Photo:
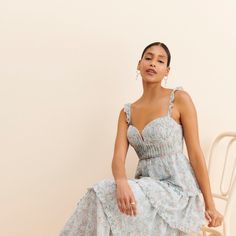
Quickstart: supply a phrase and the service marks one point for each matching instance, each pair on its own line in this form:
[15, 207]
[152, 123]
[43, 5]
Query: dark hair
[163, 46]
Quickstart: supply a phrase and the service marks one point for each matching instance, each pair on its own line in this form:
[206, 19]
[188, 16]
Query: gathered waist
[160, 155]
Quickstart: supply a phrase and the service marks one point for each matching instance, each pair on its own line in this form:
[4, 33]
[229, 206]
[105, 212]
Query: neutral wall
[67, 68]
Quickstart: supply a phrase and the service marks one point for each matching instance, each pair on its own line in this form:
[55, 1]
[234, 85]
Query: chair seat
[206, 231]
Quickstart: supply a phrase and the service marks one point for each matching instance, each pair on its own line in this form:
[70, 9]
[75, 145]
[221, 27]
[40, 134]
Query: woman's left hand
[214, 217]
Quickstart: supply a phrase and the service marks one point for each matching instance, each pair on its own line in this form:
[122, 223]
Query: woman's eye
[148, 58]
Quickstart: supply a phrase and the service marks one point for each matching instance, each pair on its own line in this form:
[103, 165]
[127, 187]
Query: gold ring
[132, 203]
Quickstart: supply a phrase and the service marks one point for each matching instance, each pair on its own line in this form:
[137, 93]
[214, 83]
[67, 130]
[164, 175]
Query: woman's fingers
[217, 221]
[124, 199]
[208, 216]
[126, 207]
[213, 222]
[215, 216]
[134, 207]
[121, 206]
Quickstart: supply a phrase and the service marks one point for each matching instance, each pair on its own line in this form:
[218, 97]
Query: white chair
[227, 194]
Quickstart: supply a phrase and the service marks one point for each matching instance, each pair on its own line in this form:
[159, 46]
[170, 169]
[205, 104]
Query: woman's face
[153, 65]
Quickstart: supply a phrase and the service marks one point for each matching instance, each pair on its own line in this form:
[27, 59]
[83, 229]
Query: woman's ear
[167, 71]
[138, 65]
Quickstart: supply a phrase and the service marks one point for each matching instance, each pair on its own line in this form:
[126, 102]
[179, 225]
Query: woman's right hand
[125, 196]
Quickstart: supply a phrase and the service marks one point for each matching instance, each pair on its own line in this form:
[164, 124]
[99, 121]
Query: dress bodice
[161, 136]
[159, 147]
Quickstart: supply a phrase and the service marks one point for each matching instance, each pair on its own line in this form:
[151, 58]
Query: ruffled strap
[127, 112]
[172, 97]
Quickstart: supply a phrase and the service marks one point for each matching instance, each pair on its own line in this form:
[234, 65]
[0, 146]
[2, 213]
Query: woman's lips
[151, 72]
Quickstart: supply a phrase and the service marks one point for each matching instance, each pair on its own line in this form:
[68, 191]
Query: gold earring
[137, 74]
[166, 80]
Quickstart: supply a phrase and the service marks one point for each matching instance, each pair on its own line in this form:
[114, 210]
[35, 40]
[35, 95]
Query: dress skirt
[96, 216]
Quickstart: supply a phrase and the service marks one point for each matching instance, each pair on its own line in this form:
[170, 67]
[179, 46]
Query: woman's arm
[120, 149]
[124, 193]
[188, 116]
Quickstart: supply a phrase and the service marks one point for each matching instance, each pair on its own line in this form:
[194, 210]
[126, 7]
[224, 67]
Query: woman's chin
[151, 80]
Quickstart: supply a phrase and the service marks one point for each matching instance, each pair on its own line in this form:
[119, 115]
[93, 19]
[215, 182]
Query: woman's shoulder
[181, 92]
[182, 97]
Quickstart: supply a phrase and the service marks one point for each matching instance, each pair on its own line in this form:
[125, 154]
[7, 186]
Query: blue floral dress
[169, 200]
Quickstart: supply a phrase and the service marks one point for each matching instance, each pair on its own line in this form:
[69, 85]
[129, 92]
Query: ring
[132, 203]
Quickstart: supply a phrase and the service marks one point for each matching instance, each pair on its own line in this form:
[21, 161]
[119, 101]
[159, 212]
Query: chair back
[226, 181]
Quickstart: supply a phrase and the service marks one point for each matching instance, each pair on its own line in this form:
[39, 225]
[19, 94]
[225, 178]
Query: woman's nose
[152, 63]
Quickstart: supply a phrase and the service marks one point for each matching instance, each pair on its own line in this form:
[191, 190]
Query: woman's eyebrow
[160, 55]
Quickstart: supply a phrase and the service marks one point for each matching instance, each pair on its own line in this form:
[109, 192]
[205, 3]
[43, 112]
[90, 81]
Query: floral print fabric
[169, 201]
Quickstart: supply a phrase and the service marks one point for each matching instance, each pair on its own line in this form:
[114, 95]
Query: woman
[165, 196]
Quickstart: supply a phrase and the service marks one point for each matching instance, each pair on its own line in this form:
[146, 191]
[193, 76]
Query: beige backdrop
[68, 67]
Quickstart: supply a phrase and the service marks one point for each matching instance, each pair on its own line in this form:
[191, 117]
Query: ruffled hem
[178, 211]
[120, 223]
[183, 205]
[115, 224]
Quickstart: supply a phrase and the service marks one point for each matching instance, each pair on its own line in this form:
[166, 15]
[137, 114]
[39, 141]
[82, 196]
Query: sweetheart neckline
[140, 132]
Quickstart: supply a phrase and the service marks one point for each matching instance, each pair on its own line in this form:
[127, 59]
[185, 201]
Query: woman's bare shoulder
[182, 96]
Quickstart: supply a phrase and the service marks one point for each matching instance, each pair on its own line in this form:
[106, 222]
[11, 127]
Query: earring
[166, 80]
[137, 74]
